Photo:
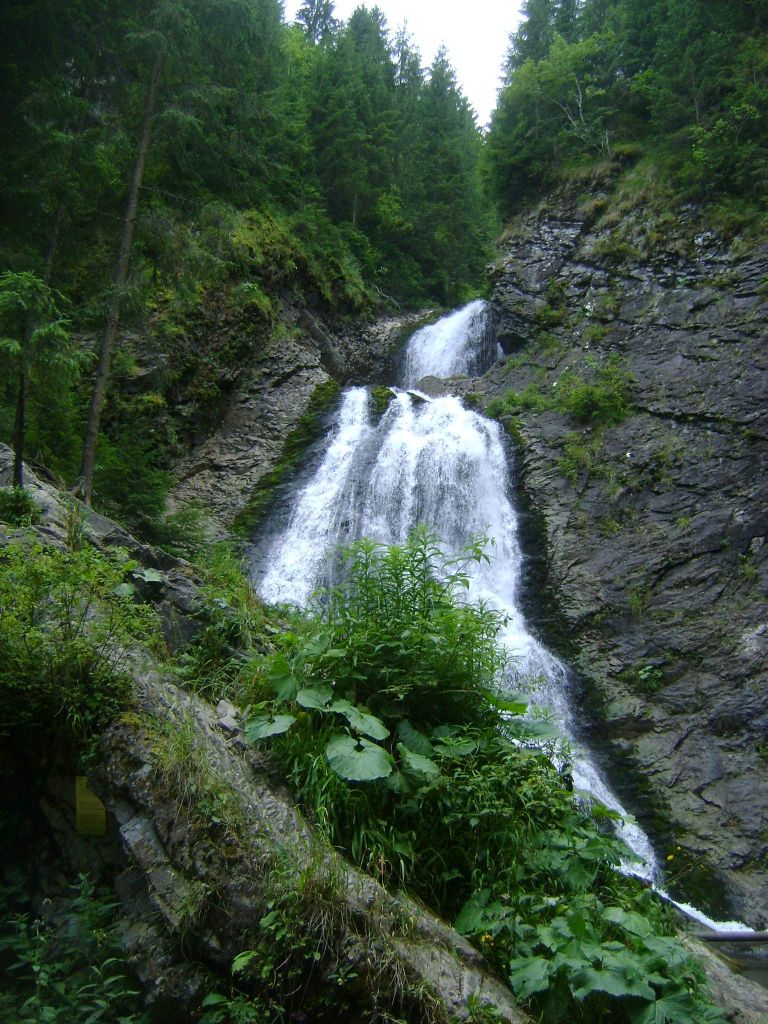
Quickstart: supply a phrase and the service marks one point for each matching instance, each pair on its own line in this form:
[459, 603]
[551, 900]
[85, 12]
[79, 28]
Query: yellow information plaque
[90, 812]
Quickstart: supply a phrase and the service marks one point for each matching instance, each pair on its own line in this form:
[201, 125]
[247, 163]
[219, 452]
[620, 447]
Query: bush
[603, 401]
[18, 507]
[69, 968]
[218, 663]
[67, 618]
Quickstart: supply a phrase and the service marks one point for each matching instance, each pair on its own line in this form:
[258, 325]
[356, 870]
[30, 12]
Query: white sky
[476, 33]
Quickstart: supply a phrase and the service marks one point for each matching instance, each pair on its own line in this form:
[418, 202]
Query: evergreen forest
[182, 182]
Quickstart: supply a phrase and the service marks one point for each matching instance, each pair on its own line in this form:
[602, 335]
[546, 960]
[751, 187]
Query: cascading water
[463, 342]
[441, 464]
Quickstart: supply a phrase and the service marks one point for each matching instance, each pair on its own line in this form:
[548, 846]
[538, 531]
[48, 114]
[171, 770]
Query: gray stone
[657, 553]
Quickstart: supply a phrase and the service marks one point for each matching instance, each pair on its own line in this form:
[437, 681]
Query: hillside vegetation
[177, 177]
[682, 81]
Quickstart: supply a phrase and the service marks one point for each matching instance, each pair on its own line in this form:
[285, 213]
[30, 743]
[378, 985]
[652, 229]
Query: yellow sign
[90, 812]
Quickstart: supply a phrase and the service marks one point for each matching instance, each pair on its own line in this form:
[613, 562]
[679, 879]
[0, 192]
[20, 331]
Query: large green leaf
[240, 963]
[613, 981]
[455, 747]
[149, 575]
[413, 739]
[514, 703]
[361, 719]
[282, 679]
[416, 764]
[478, 914]
[675, 1006]
[267, 725]
[631, 922]
[315, 696]
[358, 760]
[535, 729]
[529, 975]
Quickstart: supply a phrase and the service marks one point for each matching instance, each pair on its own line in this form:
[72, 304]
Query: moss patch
[380, 399]
[303, 434]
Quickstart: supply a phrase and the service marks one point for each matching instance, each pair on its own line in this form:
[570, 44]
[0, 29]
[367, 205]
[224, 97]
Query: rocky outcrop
[655, 526]
[222, 471]
[215, 880]
[204, 841]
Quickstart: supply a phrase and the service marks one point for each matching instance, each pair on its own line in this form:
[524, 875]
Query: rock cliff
[272, 395]
[655, 523]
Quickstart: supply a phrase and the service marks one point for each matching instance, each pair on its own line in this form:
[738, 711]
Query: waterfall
[438, 463]
[461, 343]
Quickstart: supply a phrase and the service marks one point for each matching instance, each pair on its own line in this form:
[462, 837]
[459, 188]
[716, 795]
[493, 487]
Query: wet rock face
[656, 526]
[222, 471]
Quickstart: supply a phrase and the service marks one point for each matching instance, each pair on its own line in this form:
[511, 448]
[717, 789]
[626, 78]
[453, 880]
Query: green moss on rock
[296, 443]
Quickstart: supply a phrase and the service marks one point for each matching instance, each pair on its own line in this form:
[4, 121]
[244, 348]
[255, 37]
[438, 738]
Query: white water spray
[443, 465]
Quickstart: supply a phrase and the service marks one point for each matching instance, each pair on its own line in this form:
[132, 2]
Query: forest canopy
[369, 160]
[683, 80]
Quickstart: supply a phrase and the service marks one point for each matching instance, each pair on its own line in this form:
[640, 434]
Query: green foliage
[382, 710]
[36, 350]
[218, 662]
[380, 399]
[182, 533]
[297, 966]
[67, 619]
[512, 402]
[128, 483]
[688, 78]
[603, 400]
[638, 599]
[18, 508]
[69, 967]
[33, 332]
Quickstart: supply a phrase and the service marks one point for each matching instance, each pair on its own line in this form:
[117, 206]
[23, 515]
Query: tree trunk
[85, 486]
[55, 235]
[18, 431]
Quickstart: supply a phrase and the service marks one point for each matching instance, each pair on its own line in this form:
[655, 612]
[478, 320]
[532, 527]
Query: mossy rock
[298, 440]
[380, 399]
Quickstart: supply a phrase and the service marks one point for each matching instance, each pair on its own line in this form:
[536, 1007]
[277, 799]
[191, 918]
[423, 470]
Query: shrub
[218, 662]
[68, 617]
[67, 969]
[18, 507]
[602, 401]
[580, 456]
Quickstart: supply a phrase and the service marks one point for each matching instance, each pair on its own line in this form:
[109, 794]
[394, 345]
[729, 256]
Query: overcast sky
[476, 33]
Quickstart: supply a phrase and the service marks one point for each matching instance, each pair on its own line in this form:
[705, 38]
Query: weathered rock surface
[203, 837]
[213, 882]
[656, 528]
[221, 472]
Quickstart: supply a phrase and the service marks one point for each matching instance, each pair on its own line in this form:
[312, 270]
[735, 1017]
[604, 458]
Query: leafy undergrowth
[68, 966]
[382, 710]
[68, 618]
